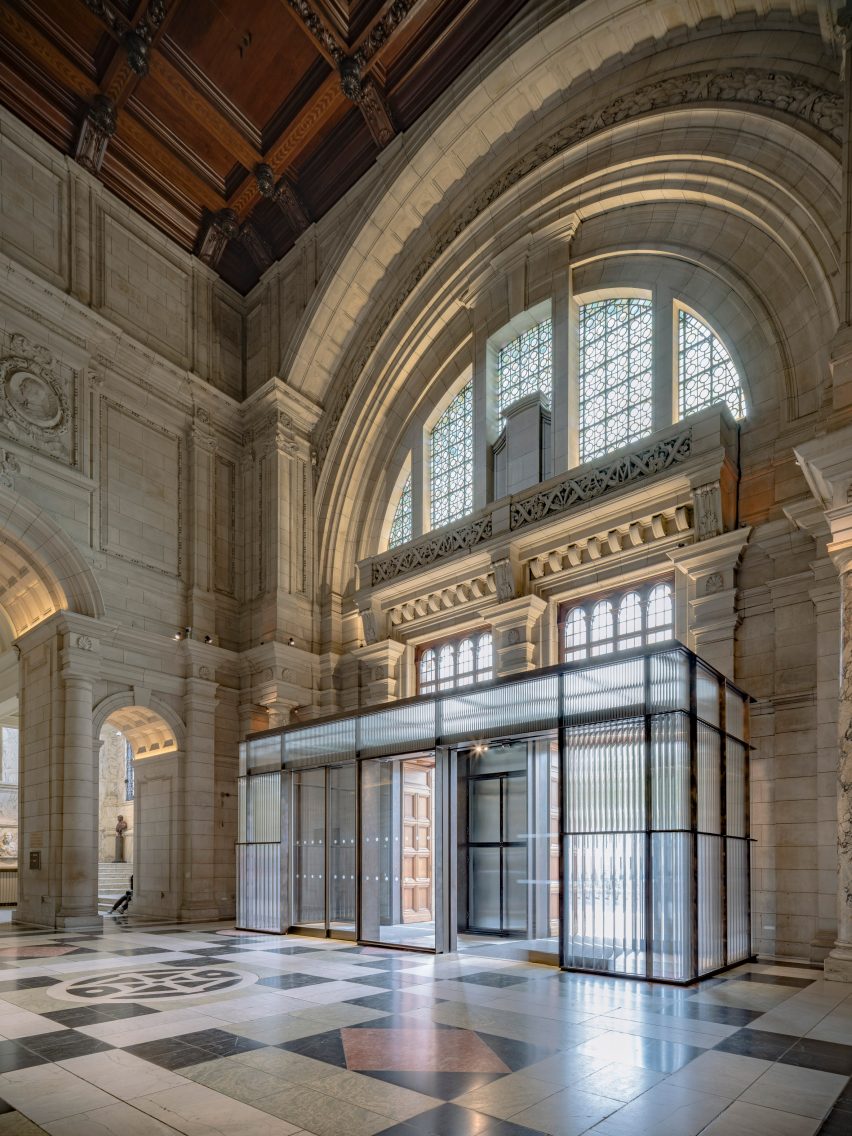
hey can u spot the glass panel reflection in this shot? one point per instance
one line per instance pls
(308, 850)
(399, 802)
(341, 846)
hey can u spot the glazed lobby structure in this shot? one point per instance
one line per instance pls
(594, 815)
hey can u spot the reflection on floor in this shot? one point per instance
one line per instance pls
(500, 946)
(146, 1029)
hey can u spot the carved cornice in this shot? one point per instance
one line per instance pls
(595, 482)
(422, 553)
(456, 595)
(775, 90)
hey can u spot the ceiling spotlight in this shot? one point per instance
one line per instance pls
(291, 642)
(187, 631)
(207, 639)
(177, 635)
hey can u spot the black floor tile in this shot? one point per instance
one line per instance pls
(292, 981)
(395, 1001)
(488, 978)
(220, 1043)
(509, 1128)
(6, 1107)
(756, 1043)
(169, 1053)
(288, 950)
(388, 980)
(516, 1054)
(131, 952)
(828, 1056)
(705, 1012)
(77, 1016)
(118, 1011)
(444, 1086)
(33, 983)
(326, 1047)
(14, 1056)
(449, 1118)
(773, 979)
(62, 1045)
(835, 1124)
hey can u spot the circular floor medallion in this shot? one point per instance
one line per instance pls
(155, 984)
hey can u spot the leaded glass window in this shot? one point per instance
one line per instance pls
(452, 460)
(456, 662)
(129, 773)
(525, 366)
(706, 371)
(401, 526)
(618, 622)
(615, 374)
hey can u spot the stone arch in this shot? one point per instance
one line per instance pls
(41, 572)
(150, 724)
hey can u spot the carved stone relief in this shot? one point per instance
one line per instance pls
(36, 398)
(707, 507)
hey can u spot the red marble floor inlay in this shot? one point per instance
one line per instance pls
(419, 1050)
(34, 952)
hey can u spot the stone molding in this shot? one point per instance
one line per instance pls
(779, 91)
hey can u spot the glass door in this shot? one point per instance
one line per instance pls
(323, 869)
(399, 851)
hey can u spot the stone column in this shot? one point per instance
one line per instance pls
(827, 465)
(198, 800)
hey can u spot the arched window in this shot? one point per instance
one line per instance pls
(616, 374)
(461, 661)
(426, 676)
(619, 621)
(451, 460)
(706, 371)
(524, 366)
(401, 525)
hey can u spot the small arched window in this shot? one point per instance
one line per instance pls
(706, 371)
(576, 635)
(456, 662)
(660, 613)
(619, 621)
(630, 621)
(601, 627)
(426, 676)
(446, 666)
(484, 658)
(464, 663)
(401, 526)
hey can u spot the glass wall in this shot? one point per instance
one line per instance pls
(597, 811)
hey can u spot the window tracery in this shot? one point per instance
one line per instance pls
(616, 374)
(706, 371)
(401, 529)
(524, 366)
(452, 460)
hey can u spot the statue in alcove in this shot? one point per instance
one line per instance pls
(120, 829)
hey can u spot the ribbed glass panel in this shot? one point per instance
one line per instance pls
(259, 887)
(710, 947)
(402, 729)
(334, 740)
(532, 704)
(707, 695)
(670, 771)
(243, 763)
(242, 819)
(605, 903)
(669, 682)
(671, 883)
(308, 847)
(736, 714)
(709, 780)
(263, 754)
(605, 776)
(735, 812)
(739, 944)
(341, 845)
(598, 691)
(263, 813)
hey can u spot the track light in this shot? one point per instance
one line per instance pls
(207, 639)
(291, 642)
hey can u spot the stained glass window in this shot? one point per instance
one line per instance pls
(618, 622)
(456, 662)
(452, 460)
(615, 374)
(706, 371)
(401, 526)
(525, 366)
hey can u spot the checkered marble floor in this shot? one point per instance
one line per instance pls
(202, 1030)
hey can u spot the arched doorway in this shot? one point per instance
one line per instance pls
(151, 844)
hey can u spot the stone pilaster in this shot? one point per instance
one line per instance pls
(515, 626)
(710, 567)
(827, 465)
(202, 454)
(379, 665)
(198, 801)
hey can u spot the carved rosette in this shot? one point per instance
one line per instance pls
(34, 401)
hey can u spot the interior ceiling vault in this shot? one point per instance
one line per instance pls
(232, 125)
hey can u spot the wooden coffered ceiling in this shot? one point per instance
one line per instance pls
(234, 124)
